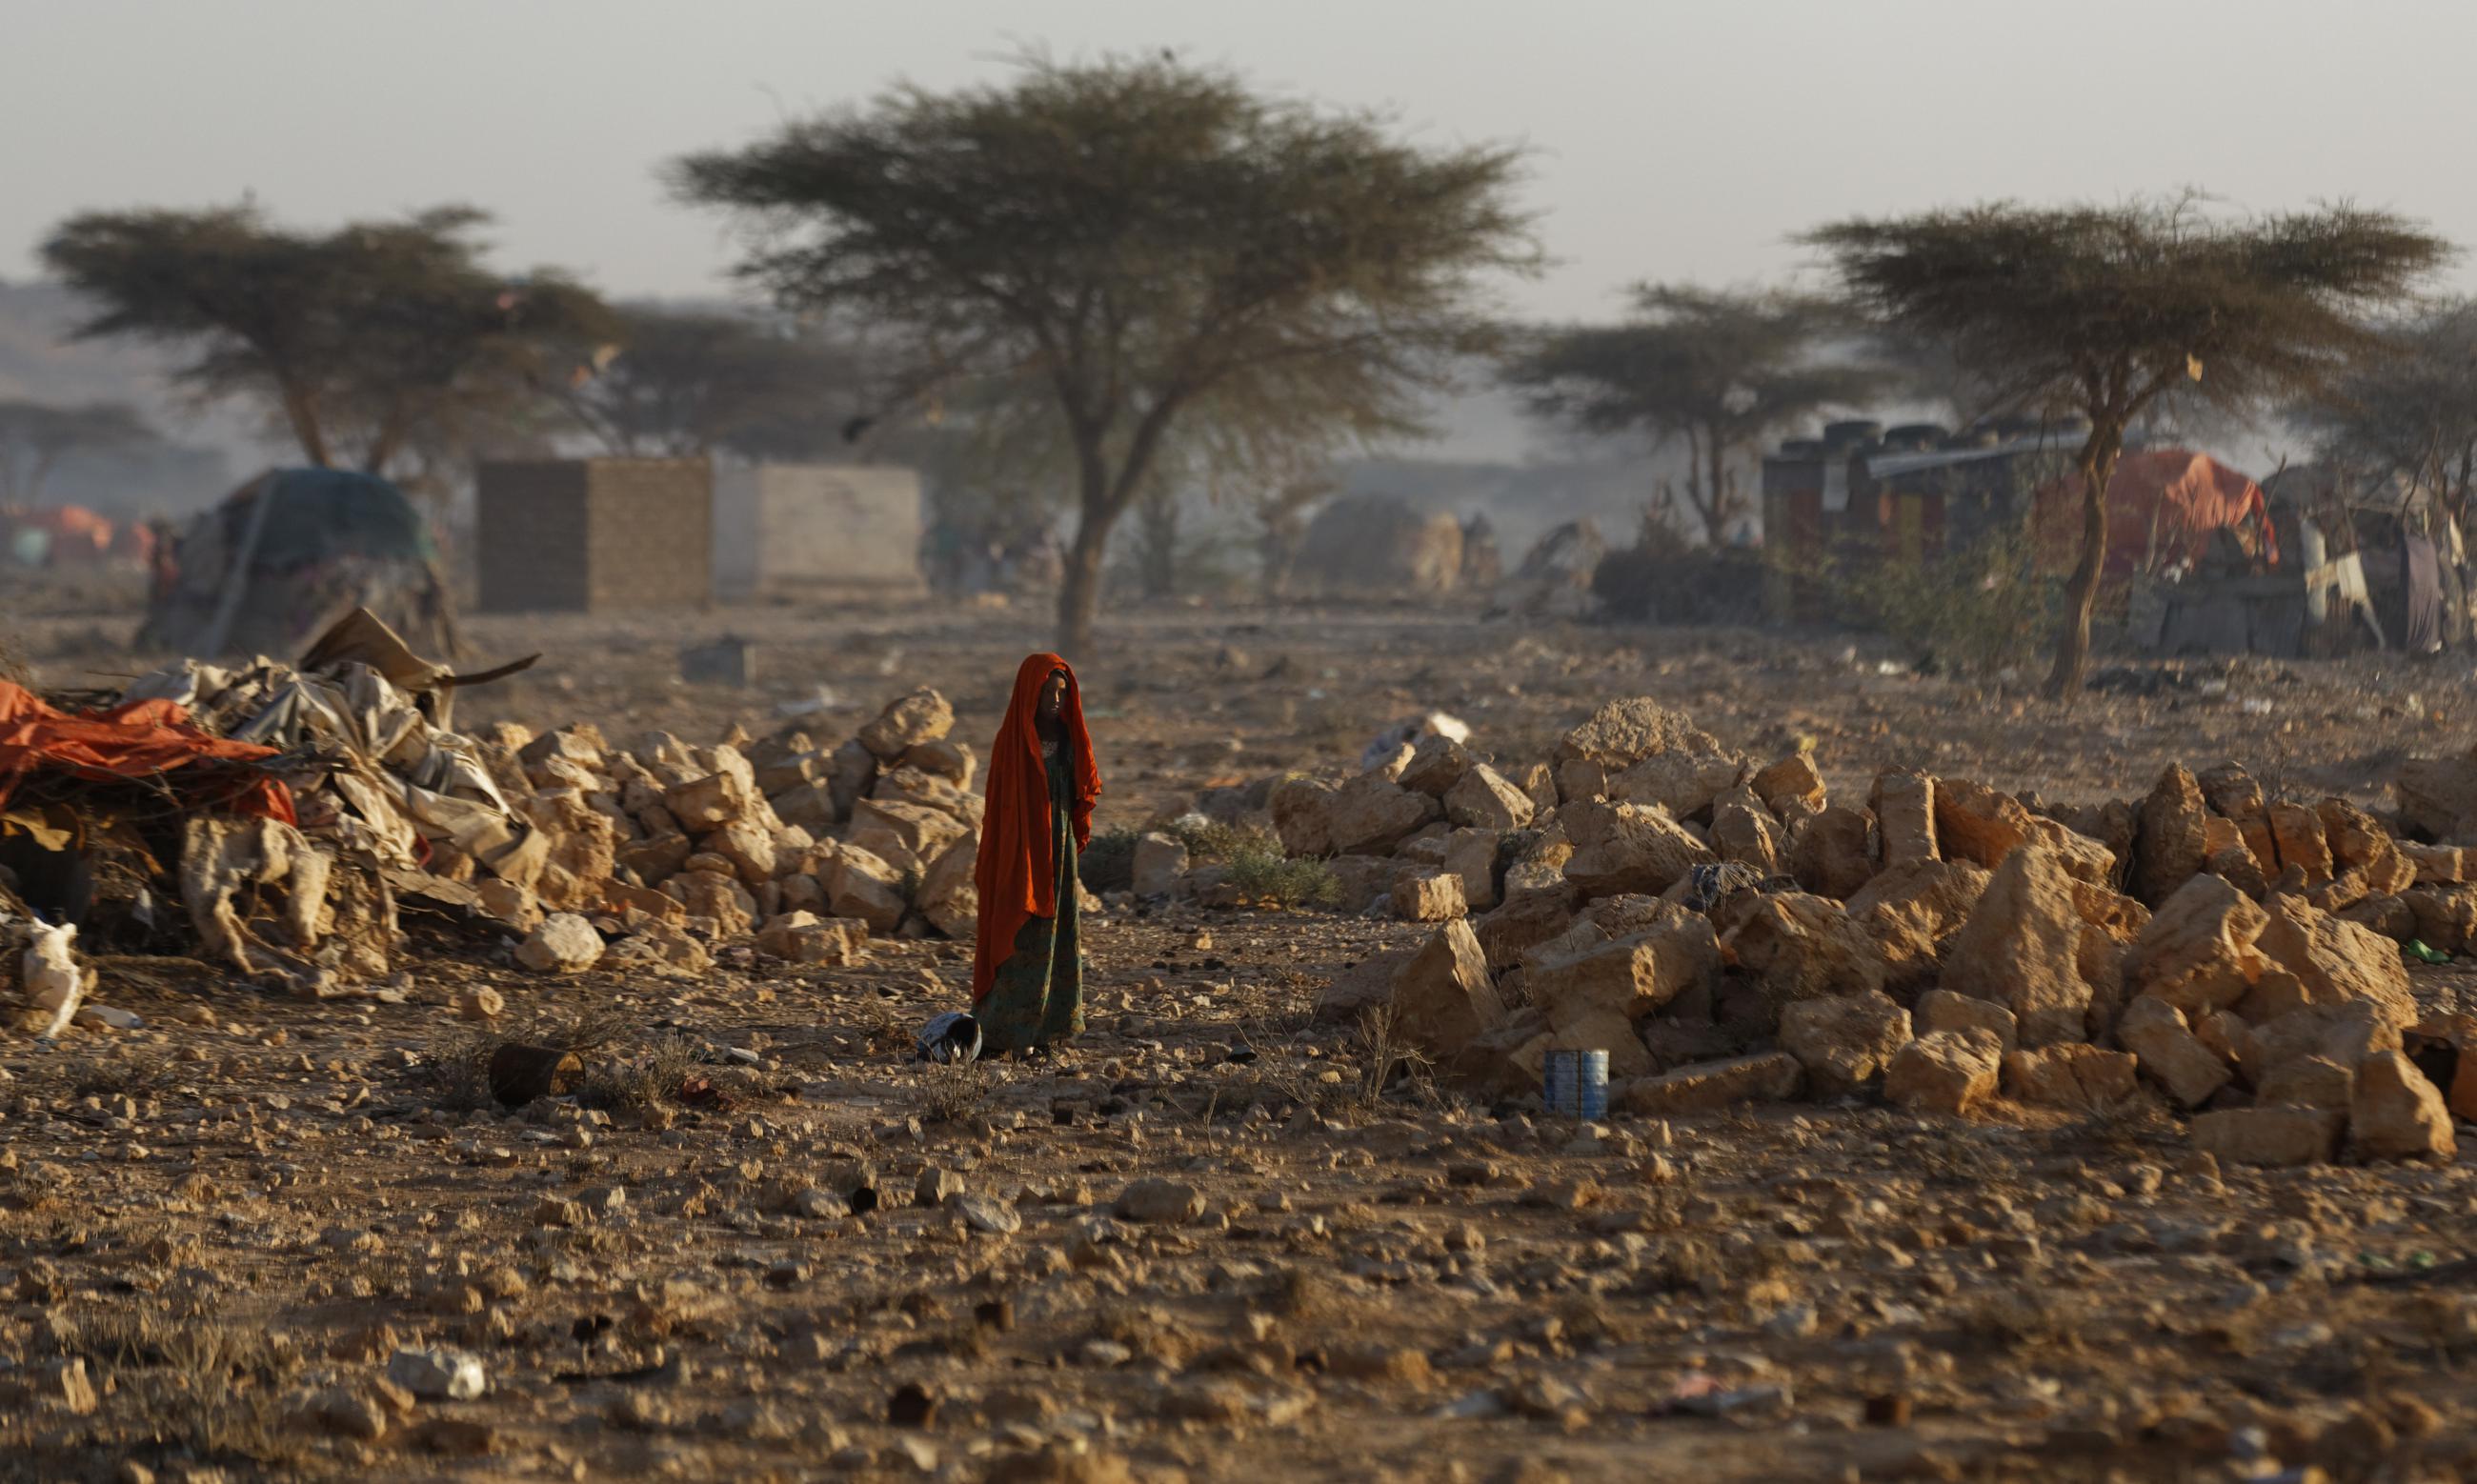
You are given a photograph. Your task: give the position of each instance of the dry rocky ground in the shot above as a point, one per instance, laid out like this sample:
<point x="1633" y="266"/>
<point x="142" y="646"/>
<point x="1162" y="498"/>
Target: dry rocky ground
<point x="1223" y="1240"/>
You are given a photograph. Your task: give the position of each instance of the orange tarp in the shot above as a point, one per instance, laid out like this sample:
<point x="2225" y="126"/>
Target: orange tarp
<point x="2184" y="495"/>
<point x="137" y="740"/>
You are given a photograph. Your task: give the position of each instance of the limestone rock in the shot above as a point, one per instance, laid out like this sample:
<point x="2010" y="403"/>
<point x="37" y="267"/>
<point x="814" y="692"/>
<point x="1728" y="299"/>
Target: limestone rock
<point x="1302" y="808"/>
<point x="1443" y="998"/>
<point x="2359" y="843"/>
<point x="922" y="832"/>
<point x="1368" y="985"/>
<point x="1909" y="910"/>
<point x="1593" y="998"/>
<point x="949" y="897"/>
<point x="2199" y="952"/>
<point x="1155" y="1201"/>
<point x="1683" y="784"/>
<point x="748" y="847"/>
<point x="2022" y="949"/>
<point x="2169" y="842"/>
<point x="1940" y="1009"/>
<point x="1905" y="815"/>
<point x="906" y="722"/>
<point x="1792" y="781"/>
<point x="2347" y="1034"/>
<point x="2446" y="918"/>
<point x="863" y="886"/>
<point x="2308" y="1082"/>
<point x="1485" y="799"/>
<point x="1976" y="824"/>
<point x="1437" y="764"/>
<point x="2069" y="1076"/>
<point x="1624" y="733"/>
<point x="1625" y="848"/>
<point x="2335" y="960"/>
<point x="1161" y="860"/>
<point x="1947" y="1072"/>
<point x="563" y="944"/>
<point x="1747" y="834"/>
<point x="1523" y="921"/>
<point x="1832" y="853"/>
<point x="1843" y="1042"/>
<point x="2398" y="1113"/>
<point x="944" y="758"/>
<point x="1712" y="1086"/>
<point x="726" y="792"/>
<point x="1471" y="854"/>
<point x="851" y="773"/>
<point x="1363" y="880"/>
<point x="2297" y="833"/>
<point x="1801" y="946"/>
<point x="1369" y="816"/>
<point x="2167" y="1049"/>
<point x="803" y="938"/>
<point x="2268" y="1136"/>
<point x="718" y="897"/>
<point x="1429" y="894"/>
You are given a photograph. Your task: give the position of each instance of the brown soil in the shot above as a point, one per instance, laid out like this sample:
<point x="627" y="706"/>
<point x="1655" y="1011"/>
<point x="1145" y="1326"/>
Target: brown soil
<point x="254" y="1201"/>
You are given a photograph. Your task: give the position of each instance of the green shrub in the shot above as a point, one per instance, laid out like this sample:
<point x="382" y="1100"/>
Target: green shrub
<point x="1983" y="608"/>
<point x="1263" y="874"/>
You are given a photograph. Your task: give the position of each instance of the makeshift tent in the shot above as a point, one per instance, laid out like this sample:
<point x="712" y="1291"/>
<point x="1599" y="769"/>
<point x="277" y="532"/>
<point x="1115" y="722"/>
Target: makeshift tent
<point x="2164" y="509"/>
<point x="290" y="552"/>
<point x="62" y="536"/>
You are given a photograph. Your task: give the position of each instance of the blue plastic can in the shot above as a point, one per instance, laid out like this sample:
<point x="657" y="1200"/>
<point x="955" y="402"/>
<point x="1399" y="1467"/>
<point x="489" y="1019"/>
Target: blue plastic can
<point x="1575" y="1085"/>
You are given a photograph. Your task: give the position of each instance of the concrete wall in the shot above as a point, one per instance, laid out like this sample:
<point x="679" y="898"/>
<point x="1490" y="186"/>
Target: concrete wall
<point x="594" y="535"/>
<point x="778" y="524"/>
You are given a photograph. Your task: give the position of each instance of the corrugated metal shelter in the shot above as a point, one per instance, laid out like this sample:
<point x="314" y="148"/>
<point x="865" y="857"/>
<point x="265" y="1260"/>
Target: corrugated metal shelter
<point x="815" y="525"/>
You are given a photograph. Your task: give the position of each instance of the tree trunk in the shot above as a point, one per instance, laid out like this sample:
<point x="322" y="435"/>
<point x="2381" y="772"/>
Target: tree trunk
<point x="297" y="412"/>
<point x="1079" y="596"/>
<point x="2081" y="595"/>
<point x="1715" y="515"/>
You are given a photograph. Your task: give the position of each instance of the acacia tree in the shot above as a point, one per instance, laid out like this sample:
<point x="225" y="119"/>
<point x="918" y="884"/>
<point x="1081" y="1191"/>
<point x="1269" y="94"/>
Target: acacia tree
<point x="1717" y="369"/>
<point x="2106" y="310"/>
<point x="35" y="437"/>
<point x="1138" y="237"/>
<point x="2411" y="407"/>
<point x="369" y="344"/>
<point x="691" y="382"/>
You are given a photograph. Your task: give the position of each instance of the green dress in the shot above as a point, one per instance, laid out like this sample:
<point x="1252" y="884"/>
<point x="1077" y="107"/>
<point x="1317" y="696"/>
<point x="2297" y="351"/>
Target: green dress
<point x="1038" y="997"/>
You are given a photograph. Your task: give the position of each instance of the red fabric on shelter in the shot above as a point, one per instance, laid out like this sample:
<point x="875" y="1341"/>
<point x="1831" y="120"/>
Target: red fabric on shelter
<point x="134" y="740"/>
<point x="2190" y="495"/>
<point x="1015" y="872"/>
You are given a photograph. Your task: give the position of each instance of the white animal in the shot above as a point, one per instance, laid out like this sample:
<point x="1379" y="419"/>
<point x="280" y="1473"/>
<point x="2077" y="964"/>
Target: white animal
<point x="54" y="979"/>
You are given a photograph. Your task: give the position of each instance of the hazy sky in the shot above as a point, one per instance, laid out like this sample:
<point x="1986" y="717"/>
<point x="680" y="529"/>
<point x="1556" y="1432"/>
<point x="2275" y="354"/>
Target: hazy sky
<point x="1678" y="141"/>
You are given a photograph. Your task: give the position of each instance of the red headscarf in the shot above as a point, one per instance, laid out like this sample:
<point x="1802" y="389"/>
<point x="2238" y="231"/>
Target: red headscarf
<point x="1017" y="871"/>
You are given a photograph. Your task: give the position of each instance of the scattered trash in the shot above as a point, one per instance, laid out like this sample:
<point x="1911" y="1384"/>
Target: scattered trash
<point x="54" y="981"/>
<point x="950" y="1039"/>
<point x="1575" y="1084"/>
<point x="2417" y="949"/>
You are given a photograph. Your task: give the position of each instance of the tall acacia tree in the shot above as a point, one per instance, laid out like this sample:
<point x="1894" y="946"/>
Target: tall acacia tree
<point x="372" y="344"/>
<point x="1141" y="237"/>
<point x="35" y="437"/>
<point x="2409" y="408"/>
<point x="1719" y="369"/>
<point x="2107" y="310"/>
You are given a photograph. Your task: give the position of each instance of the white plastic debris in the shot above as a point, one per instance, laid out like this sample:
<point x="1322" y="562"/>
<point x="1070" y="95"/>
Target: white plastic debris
<point x="53" y="980"/>
<point x="438" y="1374"/>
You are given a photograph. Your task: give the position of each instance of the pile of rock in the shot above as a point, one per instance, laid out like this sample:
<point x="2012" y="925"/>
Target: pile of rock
<point x="1725" y="930"/>
<point x="667" y="847"/>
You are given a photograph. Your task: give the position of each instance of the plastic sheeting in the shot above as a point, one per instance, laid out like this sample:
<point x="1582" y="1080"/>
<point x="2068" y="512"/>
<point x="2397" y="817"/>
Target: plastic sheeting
<point x="138" y="738"/>
<point x="2163" y="505"/>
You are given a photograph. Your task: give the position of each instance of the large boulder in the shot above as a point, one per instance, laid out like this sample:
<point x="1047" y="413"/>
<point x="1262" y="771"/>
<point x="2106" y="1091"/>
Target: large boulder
<point x="1302" y="811"/>
<point x="1904" y="806"/>
<point x="1523" y="921"/>
<point x="2335" y="960"/>
<point x="1802" y="946"/>
<point x="1790" y="785"/>
<point x="1626" y="848"/>
<point x="1832" y="853"/>
<point x="1944" y="1072"/>
<point x="1976" y="824"/>
<point x="1846" y="1041"/>
<point x="2081" y="1077"/>
<point x="1438" y="762"/>
<point x="2171" y="839"/>
<point x="2361" y="844"/>
<point x="1371" y="815"/>
<point x="1442" y="998"/>
<point x="1592" y="998"/>
<point x="2398" y="1113"/>
<point x="1686" y="784"/>
<point x="563" y="944"/>
<point x="906" y="722"/>
<point x="2296" y="832"/>
<point x="2438" y="798"/>
<point x="1485" y="799"/>
<point x="949" y="896"/>
<point x="1714" y="1086"/>
<point x="2023" y="948"/>
<point x="727" y="791"/>
<point x="1618" y="737"/>
<point x="2198" y="951"/>
<point x="1909" y="910"/>
<point x="2169" y="1051"/>
<point x="2268" y="1136"/>
<point x="862" y="886"/>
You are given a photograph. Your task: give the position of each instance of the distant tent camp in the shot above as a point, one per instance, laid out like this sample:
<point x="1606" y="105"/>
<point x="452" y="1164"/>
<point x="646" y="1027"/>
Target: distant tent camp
<point x="283" y="558"/>
<point x="2164" y="508"/>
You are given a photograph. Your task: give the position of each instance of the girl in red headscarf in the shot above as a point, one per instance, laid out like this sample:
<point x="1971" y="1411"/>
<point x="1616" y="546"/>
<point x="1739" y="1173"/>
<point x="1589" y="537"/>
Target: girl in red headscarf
<point x="1028" y="969"/>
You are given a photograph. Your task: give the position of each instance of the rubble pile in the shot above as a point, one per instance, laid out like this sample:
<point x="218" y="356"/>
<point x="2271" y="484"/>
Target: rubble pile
<point x="1726" y="930"/>
<point x="364" y="801"/>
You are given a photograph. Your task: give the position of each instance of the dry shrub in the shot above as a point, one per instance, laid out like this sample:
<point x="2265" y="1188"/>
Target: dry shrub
<point x="653" y="1076"/>
<point x="950" y="1093"/>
